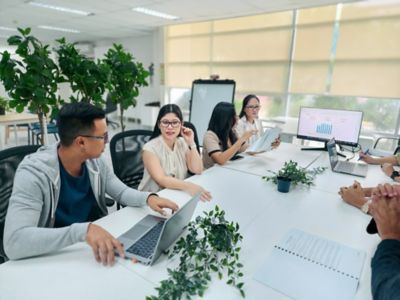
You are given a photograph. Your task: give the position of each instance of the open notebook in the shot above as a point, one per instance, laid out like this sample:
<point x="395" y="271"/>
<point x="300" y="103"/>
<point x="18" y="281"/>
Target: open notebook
<point x="264" y="142"/>
<point x="309" y="267"/>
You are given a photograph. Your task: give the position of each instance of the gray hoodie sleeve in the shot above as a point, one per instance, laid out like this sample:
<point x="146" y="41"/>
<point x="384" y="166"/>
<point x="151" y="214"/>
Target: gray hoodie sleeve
<point x="119" y="191"/>
<point x="24" y="236"/>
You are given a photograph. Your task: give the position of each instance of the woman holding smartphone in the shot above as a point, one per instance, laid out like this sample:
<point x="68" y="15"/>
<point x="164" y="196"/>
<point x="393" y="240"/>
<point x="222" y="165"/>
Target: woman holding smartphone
<point x="170" y="154"/>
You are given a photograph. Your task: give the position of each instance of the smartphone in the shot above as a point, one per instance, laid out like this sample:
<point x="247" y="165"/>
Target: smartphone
<point x="236" y="157"/>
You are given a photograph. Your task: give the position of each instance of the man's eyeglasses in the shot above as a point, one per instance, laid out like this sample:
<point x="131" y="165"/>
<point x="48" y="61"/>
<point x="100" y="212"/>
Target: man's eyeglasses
<point x="97" y="137"/>
<point x="253" y="107"/>
<point x="166" y="123"/>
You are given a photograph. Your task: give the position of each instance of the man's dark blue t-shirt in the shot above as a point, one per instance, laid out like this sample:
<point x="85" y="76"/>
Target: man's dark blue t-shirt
<point x="76" y="203"/>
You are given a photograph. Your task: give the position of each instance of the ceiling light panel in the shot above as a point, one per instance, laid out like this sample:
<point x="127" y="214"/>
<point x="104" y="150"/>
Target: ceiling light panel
<point x="154" y="13"/>
<point x="8" y="28"/>
<point x="58" y="29"/>
<point x="61" y="8"/>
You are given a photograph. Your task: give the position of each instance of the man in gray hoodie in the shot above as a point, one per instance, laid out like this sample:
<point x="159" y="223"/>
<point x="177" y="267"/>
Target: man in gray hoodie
<point x="59" y="190"/>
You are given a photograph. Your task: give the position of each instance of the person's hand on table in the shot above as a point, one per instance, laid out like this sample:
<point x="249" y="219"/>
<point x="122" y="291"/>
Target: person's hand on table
<point x="353" y="195"/>
<point x="103" y="245"/>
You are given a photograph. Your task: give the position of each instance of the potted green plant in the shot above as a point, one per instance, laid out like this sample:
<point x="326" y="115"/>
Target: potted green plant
<point x="31" y="79"/>
<point x="292" y="173"/>
<point x="86" y="77"/>
<point x="283" y="183"/>
<point x="211" y="246"/>
<point x="126" y="77"/>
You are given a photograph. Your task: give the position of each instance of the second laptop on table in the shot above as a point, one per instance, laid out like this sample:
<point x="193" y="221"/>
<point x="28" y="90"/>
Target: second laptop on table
<point x="346" y="167"/>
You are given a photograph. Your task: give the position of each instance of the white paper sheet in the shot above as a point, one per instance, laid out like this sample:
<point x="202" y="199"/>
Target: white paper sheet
<point x="305" y="266"/>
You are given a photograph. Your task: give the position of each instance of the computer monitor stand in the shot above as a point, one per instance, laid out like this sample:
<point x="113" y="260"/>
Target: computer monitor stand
<point x="324" y="148"/>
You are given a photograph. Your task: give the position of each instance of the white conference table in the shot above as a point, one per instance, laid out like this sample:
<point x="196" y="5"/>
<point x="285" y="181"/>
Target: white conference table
<point x="259" y="164"/>
<point x="264" y="215"/>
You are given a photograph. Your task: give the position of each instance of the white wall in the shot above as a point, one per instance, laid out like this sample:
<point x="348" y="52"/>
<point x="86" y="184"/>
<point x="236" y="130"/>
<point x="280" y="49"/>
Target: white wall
<point x="146" y="49"/>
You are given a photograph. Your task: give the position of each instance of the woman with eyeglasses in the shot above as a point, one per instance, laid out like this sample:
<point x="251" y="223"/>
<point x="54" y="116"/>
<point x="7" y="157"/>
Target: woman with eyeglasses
<point x="249" y="119"/>
<point x="220" y="142"/>
<point x="170" y="154"/>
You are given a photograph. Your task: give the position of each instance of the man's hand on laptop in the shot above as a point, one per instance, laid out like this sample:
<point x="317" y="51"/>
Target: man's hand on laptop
<point x="103" y="244"/>
<point x="157" y="204"/>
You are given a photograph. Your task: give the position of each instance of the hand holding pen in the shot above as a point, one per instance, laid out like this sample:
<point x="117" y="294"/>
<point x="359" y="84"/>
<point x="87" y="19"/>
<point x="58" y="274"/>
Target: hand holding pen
<point x="366" y="157"/>
<point x="363" y="154"/>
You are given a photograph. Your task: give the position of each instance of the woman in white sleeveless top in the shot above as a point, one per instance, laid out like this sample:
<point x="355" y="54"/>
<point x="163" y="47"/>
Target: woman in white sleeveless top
<point x="170" y="154"/>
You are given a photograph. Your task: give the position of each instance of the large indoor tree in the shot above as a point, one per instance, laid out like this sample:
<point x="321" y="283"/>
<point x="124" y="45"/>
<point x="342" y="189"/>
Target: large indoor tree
<point x="30" y="78"/>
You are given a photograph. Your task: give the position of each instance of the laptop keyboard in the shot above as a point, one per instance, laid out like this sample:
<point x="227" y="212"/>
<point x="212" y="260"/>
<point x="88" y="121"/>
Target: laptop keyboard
<point x="344" y="166"/>
<point x="144" y="247"/>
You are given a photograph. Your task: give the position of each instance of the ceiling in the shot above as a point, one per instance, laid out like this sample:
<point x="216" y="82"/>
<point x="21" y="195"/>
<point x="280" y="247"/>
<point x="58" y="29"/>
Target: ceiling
<point x="115" y="19"/>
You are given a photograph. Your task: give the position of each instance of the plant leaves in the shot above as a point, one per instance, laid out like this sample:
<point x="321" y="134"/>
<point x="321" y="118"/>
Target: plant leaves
<point x="204" y="251"/>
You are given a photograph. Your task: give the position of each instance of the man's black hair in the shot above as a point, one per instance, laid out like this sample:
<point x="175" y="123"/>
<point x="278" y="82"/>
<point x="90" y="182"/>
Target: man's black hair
<point x="75" y="119"/>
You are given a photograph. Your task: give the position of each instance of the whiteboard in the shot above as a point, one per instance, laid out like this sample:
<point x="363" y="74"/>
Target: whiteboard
<point x="205" y="96"/>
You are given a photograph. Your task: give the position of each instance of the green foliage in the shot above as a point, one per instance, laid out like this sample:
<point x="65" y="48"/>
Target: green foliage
<point x="86" y="77"/>
<point x="30" y="80"/>
<point x="209" y="247"/>
<point x="4" y="103"/>
<point x="295" y="173"/>
<point x="126" y="77"/>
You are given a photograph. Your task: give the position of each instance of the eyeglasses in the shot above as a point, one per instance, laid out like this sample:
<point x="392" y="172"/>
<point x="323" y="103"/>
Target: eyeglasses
<point x="98" y="137"/>
<point x="257" y="107"/>
<point x="166" y="123"/>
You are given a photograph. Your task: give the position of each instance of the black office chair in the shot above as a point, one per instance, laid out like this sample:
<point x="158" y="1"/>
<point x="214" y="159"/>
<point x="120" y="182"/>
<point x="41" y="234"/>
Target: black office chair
<point x="196" y="138"/>
<point x="9" y="161"/>
<point x="126" y="155"/>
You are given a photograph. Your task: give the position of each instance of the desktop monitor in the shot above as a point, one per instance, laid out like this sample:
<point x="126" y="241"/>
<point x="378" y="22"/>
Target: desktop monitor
<point x="320" y="124"/>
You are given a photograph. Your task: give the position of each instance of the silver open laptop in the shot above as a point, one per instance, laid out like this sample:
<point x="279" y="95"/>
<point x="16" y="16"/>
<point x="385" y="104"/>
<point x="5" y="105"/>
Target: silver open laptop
<point x="346" y="167"/>
<point x="151" y="236"/>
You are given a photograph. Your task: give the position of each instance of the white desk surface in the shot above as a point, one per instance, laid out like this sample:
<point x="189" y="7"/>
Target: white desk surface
<point x="259" y="165"/>
<point x="14" y="119"/>
<point x="273" y="160"/>
<point x="18" y="118"/>
<point x="264" y="215"/>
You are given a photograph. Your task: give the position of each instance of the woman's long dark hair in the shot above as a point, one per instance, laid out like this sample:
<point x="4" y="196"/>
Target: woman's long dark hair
<point x="221" y="123"/>
<point x="245" y="102"/>
<point x="166" y="109"/>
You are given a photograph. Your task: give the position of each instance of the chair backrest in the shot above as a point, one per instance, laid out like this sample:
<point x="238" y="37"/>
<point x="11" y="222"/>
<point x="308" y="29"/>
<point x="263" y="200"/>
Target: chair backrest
<point x="390" y="144"/>
<point x="110" y="106"/>
<point x="126" y="155"/>
<point x="196" y="138"/>
<point x="9" y="161"/>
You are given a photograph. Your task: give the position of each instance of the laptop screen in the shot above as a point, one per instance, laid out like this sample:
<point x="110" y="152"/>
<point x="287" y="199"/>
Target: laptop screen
<point x="333" y="157"/>
<point x="177" y="223"/>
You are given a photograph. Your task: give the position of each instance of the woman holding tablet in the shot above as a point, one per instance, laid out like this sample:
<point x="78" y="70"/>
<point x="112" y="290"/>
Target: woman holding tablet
<point x="249" y="119"/>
